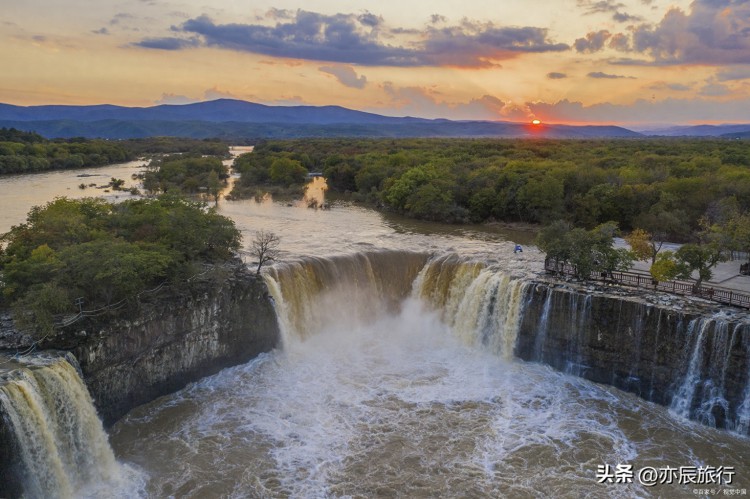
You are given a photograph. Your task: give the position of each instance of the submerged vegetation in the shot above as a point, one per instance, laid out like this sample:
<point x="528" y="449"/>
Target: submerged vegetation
<point x="91" y="252"/>
<point x="660" y="185"/>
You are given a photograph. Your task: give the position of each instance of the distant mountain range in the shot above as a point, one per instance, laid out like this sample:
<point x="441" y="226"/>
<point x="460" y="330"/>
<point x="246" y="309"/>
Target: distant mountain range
<point x="235" y="119"/>
<point x="216" y="111"/>
<point x="726" y="131"/>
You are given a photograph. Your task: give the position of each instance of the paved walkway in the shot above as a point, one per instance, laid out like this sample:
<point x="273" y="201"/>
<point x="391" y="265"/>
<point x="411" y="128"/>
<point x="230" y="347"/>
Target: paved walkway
<point x="725" y="274"/>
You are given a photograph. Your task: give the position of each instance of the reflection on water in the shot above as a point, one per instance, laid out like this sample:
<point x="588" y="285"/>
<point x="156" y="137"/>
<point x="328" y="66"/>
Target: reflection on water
<point x="234" y="151"/>
<point x="342" y="229"/>
<point x="19" y="193"/>
<point x="346" y="227"/>
<point x="315" y="193"/>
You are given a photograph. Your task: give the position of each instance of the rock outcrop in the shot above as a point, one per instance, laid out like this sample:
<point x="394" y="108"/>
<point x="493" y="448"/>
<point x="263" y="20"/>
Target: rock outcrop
<point x="179" y="335"/>
<point x="696" y="363"/>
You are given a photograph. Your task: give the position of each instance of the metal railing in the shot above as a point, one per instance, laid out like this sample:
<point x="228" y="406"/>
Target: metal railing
<point x="645" y="281"/>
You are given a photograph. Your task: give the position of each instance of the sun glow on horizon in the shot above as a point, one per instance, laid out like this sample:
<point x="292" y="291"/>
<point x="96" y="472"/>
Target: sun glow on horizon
<point x="536" y="122"/>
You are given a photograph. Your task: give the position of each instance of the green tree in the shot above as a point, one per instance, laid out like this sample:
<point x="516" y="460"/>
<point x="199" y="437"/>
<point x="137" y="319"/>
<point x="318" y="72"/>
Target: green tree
<point x="340" y="176"/>
<point x="667" y="267"/>
<point x="402" y="188"/>
<point x="582" y="256"/>
<point x="287" y="172"/>
<point x="214" y="186"/>
<point x="700" y="258"/>
<point x="542" y="199"/>
<point x="739" y="228"/>
<point x="554" y="242"/>
<point x="588" y="251"/>
<point x="433" y="201"/>
<point x="36" y="310"/>
<point x="607" y="258"/>
<point x="20" y="275"/>
<point x="106" y="253"/>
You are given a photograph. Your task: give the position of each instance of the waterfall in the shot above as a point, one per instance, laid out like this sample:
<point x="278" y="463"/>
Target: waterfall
<point x="742" y="419"/>
<point x="701" y="394"/>
<point x="683" y="398"/>
<point x="713" y="403"/>
<point x="482" y="306"/>
<point x="316" y="292"/>
<point x="541" y="334"/>
<point x="636" y="331"/>
<point x="579" y="315"/>
<point x="654" y="358"/>
<point x="606" y="339"/>
<point x="61" y="441"/>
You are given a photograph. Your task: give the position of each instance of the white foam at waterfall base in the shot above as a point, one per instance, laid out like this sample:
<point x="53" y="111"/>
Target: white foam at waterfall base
<point x="399" y="404"/>
<point x="416" y="402"/>
<point x="63" y="447"/>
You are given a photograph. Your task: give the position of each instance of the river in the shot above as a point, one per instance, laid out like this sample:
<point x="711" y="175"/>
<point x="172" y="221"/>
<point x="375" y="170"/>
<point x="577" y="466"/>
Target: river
<point x="367" y="400"/>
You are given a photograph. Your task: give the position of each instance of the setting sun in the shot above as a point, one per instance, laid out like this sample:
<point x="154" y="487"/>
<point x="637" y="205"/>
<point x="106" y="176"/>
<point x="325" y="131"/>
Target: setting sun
<point x="536" y="122"/>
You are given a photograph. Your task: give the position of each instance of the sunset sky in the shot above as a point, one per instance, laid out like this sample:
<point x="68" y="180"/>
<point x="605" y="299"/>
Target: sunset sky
<point x="630" y="62"/>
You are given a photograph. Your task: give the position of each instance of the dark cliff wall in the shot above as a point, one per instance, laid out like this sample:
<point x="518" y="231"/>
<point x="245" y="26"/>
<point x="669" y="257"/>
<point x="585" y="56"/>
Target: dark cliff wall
<point x="11" y="471"/>
<point x="698" y="364"/>
<point x="179" y="337"/>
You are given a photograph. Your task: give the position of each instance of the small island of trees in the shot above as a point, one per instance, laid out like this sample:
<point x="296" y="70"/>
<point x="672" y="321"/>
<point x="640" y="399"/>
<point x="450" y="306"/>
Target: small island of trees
<point x="101" y="254"/>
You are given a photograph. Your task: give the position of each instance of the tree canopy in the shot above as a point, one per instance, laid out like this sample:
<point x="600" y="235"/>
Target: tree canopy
<point x="586" y="250"/>
<point x="27" y="153"/>
<point x="187" y="174"/>
<point x="106" y="253"/>
<point x="662" y="186"/>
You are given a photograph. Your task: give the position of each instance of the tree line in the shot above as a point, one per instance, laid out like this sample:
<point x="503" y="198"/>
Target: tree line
<point x="661" y="185"/>
<point x="28" y="152"/>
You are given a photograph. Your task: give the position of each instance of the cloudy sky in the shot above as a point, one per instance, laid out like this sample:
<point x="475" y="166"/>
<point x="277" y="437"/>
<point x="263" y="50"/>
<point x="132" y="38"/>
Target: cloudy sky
<point x="575" y="61"/>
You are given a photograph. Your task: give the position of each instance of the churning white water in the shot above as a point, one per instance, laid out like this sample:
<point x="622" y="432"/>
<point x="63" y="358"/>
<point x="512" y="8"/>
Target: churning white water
<point x="368" y="399"/>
